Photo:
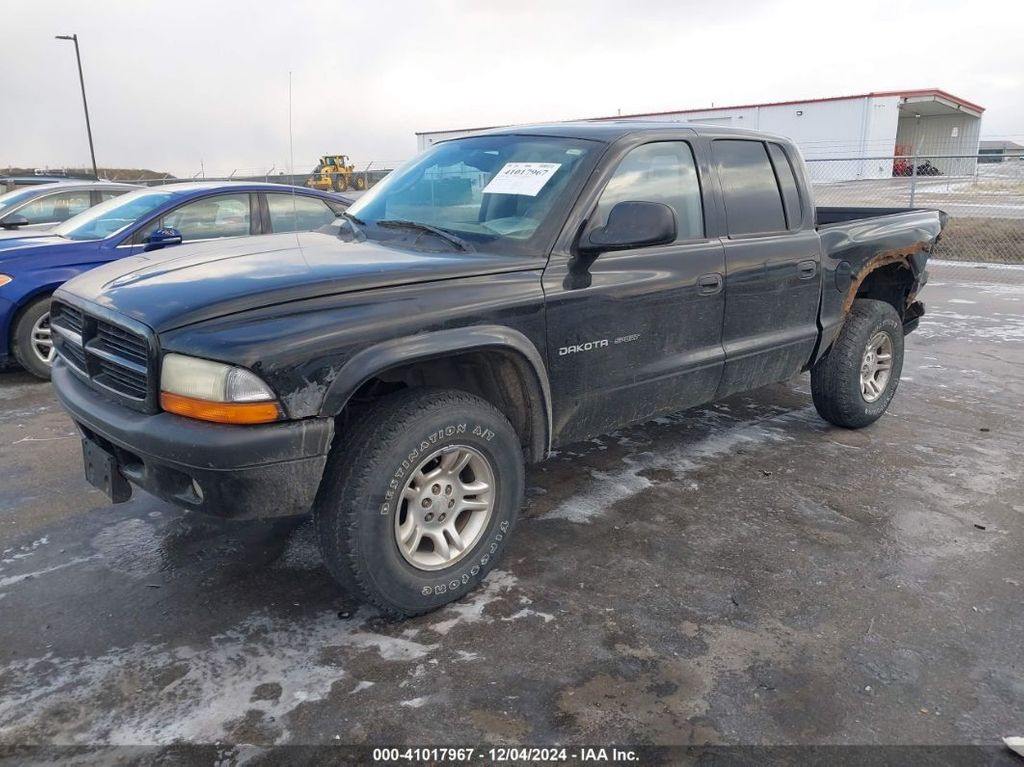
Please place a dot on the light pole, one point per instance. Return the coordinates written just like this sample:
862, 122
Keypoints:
81, 79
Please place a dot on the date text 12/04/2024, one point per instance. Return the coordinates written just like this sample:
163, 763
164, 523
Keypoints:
596, 754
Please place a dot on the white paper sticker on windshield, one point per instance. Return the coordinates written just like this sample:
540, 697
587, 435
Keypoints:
526, 178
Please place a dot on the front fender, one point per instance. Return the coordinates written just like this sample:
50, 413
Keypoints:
380, 357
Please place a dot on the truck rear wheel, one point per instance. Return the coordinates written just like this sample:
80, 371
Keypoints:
853, 384
418, 499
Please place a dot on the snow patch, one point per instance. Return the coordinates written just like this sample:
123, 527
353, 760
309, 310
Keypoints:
155, 694
1008, 328
470, 609
12, 579
609, 488
13, 554
526, 612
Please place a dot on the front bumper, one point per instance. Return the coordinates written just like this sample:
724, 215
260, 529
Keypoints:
230, 471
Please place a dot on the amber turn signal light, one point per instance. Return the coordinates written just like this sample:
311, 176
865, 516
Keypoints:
220, 412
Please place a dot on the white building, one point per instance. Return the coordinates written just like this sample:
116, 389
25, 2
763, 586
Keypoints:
853, 136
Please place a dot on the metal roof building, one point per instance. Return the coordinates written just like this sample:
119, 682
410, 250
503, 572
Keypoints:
997, 151
869, 128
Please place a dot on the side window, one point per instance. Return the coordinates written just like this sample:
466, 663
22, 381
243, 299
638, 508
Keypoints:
226, 215
110, 194
752, 200
54, 208
787, 182
662, 172
296, 213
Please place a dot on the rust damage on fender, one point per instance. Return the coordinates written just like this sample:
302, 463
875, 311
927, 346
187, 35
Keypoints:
899, 256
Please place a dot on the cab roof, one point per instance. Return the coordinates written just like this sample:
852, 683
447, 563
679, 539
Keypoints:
609, 131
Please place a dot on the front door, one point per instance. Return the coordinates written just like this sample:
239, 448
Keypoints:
233, 214
638, 332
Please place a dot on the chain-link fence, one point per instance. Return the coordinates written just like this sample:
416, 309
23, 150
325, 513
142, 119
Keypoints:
984, 195
363, 176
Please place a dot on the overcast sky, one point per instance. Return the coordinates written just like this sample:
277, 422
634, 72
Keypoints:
175, 84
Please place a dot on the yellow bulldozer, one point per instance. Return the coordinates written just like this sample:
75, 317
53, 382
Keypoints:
335, 172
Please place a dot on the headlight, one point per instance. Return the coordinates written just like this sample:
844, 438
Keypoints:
213, 391
4, 279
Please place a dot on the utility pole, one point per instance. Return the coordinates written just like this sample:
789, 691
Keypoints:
85, 104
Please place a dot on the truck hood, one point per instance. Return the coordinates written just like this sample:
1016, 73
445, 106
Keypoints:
182, 285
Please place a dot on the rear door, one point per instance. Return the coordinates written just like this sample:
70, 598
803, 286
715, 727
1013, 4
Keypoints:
296, 212
637, 332
772, 266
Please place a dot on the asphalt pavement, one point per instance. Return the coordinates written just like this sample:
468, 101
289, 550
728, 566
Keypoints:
740, 573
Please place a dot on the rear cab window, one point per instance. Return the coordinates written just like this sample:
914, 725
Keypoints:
753, 200
787, 183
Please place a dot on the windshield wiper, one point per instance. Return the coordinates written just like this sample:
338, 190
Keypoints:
353, 219
444, 234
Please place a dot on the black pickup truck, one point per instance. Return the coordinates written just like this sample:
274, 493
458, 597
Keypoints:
500, 295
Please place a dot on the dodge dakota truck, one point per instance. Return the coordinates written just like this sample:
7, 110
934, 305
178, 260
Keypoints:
499, 296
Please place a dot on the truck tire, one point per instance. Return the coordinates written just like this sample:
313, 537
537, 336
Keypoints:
340, 183
33, 345
418, 499
853, 384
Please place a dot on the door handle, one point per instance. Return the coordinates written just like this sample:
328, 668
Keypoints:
807, 269
709, 284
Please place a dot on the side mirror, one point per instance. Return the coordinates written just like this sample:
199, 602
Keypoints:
13, 221
162, 238
633, 225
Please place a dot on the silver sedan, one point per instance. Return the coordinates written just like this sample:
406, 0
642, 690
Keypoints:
31, 211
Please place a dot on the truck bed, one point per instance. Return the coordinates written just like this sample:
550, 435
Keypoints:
826, 216
856, 241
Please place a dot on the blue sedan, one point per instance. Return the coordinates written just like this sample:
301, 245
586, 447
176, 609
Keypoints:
144, 220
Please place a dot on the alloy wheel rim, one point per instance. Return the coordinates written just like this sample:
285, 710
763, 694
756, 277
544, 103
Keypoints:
42, 339
445, 507
876, 366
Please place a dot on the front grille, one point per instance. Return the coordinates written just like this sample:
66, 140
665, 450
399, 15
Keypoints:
73, 354
68, 316
121, 379
122, 342
110, 356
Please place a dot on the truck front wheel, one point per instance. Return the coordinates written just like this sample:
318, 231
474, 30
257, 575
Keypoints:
853, 384
418, 499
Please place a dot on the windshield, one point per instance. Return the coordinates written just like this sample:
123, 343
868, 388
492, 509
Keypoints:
18, 195
501, 194
112, 216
